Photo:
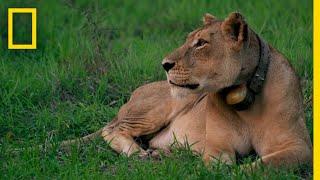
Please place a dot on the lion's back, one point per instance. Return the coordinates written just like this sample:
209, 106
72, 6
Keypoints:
155, 90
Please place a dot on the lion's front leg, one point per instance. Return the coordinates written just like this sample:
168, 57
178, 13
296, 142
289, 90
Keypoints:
218, 156
283, 147
285, 157
134, 120
120, 141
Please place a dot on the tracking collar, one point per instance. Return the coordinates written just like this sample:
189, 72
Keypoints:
254, 85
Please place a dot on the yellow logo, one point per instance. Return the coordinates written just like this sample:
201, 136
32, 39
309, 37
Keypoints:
33, 12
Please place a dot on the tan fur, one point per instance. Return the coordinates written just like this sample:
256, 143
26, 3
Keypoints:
274, 126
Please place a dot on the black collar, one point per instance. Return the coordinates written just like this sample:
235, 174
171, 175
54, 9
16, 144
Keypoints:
262, 69
254, 85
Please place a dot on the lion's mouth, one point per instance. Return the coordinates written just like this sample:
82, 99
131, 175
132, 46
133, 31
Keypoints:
190, 86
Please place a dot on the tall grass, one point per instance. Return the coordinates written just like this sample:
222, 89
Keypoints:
92, 54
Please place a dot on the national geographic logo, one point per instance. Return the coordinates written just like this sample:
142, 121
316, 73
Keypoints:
33, 12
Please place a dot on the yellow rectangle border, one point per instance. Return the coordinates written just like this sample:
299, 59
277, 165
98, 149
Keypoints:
316, 88
33, 12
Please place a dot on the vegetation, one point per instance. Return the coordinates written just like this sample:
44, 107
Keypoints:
92, 54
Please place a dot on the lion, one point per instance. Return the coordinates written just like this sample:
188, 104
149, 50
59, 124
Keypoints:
227, 92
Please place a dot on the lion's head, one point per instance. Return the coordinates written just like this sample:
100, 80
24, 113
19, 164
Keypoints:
213, 57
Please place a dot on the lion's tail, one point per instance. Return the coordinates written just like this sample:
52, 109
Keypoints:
67, 144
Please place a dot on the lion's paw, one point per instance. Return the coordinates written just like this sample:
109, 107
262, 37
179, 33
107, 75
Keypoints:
154, 153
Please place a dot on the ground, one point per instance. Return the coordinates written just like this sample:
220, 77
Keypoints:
92, 54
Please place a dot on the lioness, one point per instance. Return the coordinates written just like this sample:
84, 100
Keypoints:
227, 92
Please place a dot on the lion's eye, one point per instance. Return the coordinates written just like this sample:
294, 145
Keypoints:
201, 42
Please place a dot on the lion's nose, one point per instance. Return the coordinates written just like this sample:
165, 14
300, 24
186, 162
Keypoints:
167, 66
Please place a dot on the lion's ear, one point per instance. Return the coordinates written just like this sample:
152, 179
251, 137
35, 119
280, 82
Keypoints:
208, 19
235, 28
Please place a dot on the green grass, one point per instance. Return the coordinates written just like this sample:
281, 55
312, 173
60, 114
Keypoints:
92, 54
